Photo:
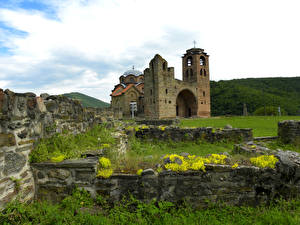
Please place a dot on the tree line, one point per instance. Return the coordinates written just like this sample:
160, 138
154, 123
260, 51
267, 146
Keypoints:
229, 96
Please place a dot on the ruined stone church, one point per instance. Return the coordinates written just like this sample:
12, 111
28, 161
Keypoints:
156, 94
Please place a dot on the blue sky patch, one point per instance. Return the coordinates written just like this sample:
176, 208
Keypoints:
12, 30
36, 5
5, 51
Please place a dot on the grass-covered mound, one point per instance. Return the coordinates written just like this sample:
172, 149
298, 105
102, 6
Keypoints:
87, 101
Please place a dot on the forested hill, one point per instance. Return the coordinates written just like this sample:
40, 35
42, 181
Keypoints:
228, 97
87, 101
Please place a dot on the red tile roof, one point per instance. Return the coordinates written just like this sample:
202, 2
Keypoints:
119, 90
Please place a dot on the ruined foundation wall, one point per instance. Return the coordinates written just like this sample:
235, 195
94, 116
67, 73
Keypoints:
192, 134
24, 118
245, 185
289, 132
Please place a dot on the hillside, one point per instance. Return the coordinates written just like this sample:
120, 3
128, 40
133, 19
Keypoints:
86, 100
227, 97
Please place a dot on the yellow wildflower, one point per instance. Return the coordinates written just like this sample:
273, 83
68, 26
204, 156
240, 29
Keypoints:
235, 166
58, 158
105, 145
105, 173
139, 172
264, 161
105, 162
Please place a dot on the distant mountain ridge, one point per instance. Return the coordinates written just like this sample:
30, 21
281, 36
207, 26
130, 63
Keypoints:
87, 101
228, 96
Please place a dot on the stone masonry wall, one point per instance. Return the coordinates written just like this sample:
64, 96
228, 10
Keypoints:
159, 122
24, 118
289, 132
192, 134
245, 185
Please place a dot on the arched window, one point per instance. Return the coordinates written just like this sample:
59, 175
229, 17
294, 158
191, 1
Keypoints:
164, 66
150, 91
189, 61
131, 80
166, 91
191, 72
187, 74
203, 93
202, 61
205, 73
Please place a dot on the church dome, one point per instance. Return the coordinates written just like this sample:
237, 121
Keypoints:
132, 72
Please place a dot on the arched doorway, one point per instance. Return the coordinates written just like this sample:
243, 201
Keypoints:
186, 104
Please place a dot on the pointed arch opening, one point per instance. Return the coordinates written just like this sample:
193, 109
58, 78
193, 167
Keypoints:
189, 61
202, 61
186, 104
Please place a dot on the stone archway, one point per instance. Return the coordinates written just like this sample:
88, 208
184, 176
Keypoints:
186, 104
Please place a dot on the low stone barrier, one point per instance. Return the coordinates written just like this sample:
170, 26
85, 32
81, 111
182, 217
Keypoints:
289, 132
191, 134
244, 185
159, 122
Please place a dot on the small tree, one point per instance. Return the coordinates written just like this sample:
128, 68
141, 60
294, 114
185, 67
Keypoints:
270, 111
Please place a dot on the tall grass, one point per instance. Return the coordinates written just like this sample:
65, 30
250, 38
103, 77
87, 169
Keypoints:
81, 209
146, 154
71, 146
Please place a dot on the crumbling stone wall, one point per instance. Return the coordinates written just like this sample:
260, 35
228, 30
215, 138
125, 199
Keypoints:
192, 134
245, 185
165, 122
289, 132
24, 118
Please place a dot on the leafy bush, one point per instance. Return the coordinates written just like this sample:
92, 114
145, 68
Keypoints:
268, 111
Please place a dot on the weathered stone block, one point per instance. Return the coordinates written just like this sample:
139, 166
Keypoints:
14, 163
7, 140
59, 174
84, 176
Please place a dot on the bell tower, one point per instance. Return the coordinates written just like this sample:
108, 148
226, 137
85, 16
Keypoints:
195, 69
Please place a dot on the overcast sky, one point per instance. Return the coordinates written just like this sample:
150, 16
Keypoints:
60, 46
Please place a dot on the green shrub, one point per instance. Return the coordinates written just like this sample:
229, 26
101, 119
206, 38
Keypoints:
71, 146
269, 111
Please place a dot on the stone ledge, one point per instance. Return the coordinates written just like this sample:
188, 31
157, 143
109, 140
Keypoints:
76, 163
267, 138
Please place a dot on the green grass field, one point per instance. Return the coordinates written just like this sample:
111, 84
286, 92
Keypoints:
261, 125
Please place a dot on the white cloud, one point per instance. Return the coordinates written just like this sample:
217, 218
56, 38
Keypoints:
244, 39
